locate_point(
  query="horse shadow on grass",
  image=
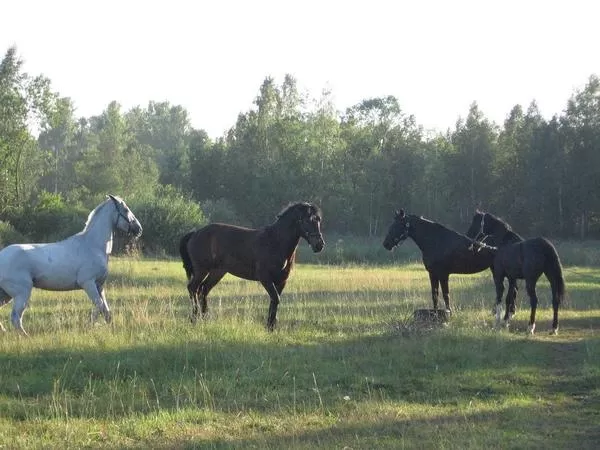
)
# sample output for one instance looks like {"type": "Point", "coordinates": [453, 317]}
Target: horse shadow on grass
{"type": "Point", "coordinates": [208, 369]}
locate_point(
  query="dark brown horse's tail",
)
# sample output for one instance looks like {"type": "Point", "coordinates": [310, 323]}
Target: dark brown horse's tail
{"type": "Point", "coordinates": [185, 256]}
{"type": "Point", "coordinates": [554, 272]}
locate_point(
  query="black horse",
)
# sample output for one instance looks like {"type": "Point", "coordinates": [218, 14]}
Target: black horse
{"type": "Point", "coordinates": [266, 254]}
{"type": "Point", "coordinates": [444, 251]}
{"type": "Point", "coordinates": [519, 258]}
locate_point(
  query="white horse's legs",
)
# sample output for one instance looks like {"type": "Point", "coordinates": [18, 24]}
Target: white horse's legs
{"type": "Point", "coordinates": [19, 305]}
{"type": "Point", "coordinates": [4, 299]}
{"type": "Point", "coordinates": [96, 295]}
{"type": "Point", "coordinates": [106, 309]}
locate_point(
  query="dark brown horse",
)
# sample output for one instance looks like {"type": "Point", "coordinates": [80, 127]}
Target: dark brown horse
{"type": "Point", "coordinates": [444, 250]}
{"type": "Point", "coordinates": [519, 258]}
{"type": "Point", "coordinates": [266, 254]}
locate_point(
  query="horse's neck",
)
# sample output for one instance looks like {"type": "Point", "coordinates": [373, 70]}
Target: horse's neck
{"type": "Point", "coordinates": [511, 237]}
{"type": "Point", "coordinates": [99, 232]}
{"type": "Point", "coordinates": [422, 231]}
{"type": "Point", "coordinates": [286, 240]}
{"type": "Point", "coordinates": [507, 236]}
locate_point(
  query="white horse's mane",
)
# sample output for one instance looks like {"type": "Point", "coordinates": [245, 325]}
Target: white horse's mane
{"type": "Point", "coordinates": [95, 211]}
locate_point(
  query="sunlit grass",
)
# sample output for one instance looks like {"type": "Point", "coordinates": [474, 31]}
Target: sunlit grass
{"type": "Point", "coordinates": [346, 366]}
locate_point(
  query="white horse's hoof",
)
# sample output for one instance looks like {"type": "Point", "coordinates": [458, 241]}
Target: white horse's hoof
{"type": "Point", "coordinates": [554, 331]}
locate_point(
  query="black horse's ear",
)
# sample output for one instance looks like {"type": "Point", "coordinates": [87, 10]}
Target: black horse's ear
{"type": "Point", "coordinates": [400, 214]}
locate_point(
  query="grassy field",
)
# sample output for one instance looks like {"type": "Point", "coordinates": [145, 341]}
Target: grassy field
{"type": "Point", "coordinates": [345, 368]}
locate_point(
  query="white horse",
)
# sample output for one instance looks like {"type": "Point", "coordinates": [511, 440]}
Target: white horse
{"type": "Point", "coordinates": [78, 262]}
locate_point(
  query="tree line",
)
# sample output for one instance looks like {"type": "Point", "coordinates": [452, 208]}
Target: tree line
{"type": "Point", "coordinates": [359, 165]}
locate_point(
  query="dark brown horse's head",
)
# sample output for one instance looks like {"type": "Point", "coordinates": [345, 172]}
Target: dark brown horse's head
{"type": "Point", "coordinates": [308, 218]}
{"type": "Point", "coordinates": [310, 227]}
{"type": "Point", "coordinates": [398, 231]}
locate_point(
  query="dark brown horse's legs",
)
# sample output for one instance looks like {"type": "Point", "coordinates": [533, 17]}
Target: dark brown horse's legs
{"type": "Point", "coordinates": [210, 282]}
{"type": "Point", "coordinates": [194, 289]}
{"type": "Point", "coordinates": [273, 294]}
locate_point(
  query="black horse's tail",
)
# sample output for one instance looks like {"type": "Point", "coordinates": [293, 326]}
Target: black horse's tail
{"type": "Point", "coordinates": [554, 272]}
{"type": "Point", "coordinates": [185, 256]}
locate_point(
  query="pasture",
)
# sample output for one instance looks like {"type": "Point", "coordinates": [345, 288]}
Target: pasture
{"type": "Point", "coordinates": [345, 368]}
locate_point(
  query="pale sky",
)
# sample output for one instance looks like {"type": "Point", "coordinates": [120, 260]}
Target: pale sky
{"type": "Point", "coordinates": [211, 57]}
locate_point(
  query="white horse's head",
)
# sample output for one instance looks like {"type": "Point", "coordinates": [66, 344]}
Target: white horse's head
{"type": "Point", "coordinates": [125, 220]}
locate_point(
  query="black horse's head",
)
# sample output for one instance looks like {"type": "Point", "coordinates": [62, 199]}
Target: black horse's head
{"type": "Point", "coordinates": [477, 230]}
{"type": "Point", "coordinates": [398, 231]}
{"type": "Point", "coordinates": [485, 225]}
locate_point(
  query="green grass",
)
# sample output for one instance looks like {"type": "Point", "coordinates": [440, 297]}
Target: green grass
{"type": "Point", "coordinates": [346, 366]}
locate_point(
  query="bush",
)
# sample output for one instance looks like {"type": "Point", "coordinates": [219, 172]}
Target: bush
{"type": "Point", "coordinates": [221, 210]}
{"type": "Point", "coordinates": [49, 219]}
{"type": "Point", "coordinates": [165, 218]}
{"type": "Point", "coordinates": [8, 235]}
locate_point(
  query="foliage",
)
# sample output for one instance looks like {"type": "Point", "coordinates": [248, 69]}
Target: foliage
{"type": "Point", "coordinates": [49, 218]}
{"type": "Point", "coordinates": [165, 217]}
{"type": "Point", "coordinates": [220, 210]}
{"type": "Point", "coordinates": [9, 235]}
{"type": "Point", "coordinates": [359, 165]}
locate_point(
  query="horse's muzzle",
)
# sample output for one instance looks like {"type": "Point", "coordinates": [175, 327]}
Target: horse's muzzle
{"type": "Point", "coordinates": [317, 244]}
{"type": "Point", "coordinates": [390, 244]}
{"type": "Point", "coordinates": [135, 230]}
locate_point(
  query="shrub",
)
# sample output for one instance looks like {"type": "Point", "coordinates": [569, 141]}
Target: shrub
{"type": "Point", "coordinates": [166, 217]}
{"type": "Point", "coordinates": [49, 219]}
{"type": "Point", "coordinates": [221, 210]}
{"type": "Point", "coordinates": [8, 235]}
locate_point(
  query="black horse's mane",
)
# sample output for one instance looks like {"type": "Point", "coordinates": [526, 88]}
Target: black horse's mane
{"type": "Point", "coordinates": [431, 222]}
{"type": "Point", "coordinates": [314, 210]}
{"type": "Point", "coordinates": [497, 219]}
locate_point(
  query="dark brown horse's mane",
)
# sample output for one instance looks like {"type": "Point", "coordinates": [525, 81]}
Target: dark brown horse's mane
{"type": "Point", "coordinates": [313, 209]}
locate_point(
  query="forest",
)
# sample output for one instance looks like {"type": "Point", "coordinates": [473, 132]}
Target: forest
{"type": "Point", "coordinates": [359, 165]}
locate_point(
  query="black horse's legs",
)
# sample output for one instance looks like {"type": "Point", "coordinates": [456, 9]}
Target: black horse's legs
{"type": "Point", "coordinates": [513, 300]}
{"type": "Point", "coordinates": [499, 284]}
{"type": "Point", "coordinates": [511, 295]}
{"type": "Point", "coordinates": [434, 289]}
{"type": "Point", "coordinates": [274, 295]}
{"type": "Point", "coordinates": [555, 304]}
{"type": "Point", "coordinates": [210, 282]}
{"type": "Point", "coordinates": [445, 290]}
{"type": "Point", "coordinates": [533, 300]}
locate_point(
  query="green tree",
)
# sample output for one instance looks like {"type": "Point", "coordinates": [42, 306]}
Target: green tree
{"type": "Point", "coordinates": [582, 131]}
{"type": "Point", "coordinates": [470, 163]}
{"type": "Point", "coordinates": [23, 101]}
{"type": "Point", "coordinates": [113, 161]}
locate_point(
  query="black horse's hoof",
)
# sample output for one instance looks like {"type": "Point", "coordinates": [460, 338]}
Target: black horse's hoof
{"type": "Point", "coordinates": [271, 326]}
